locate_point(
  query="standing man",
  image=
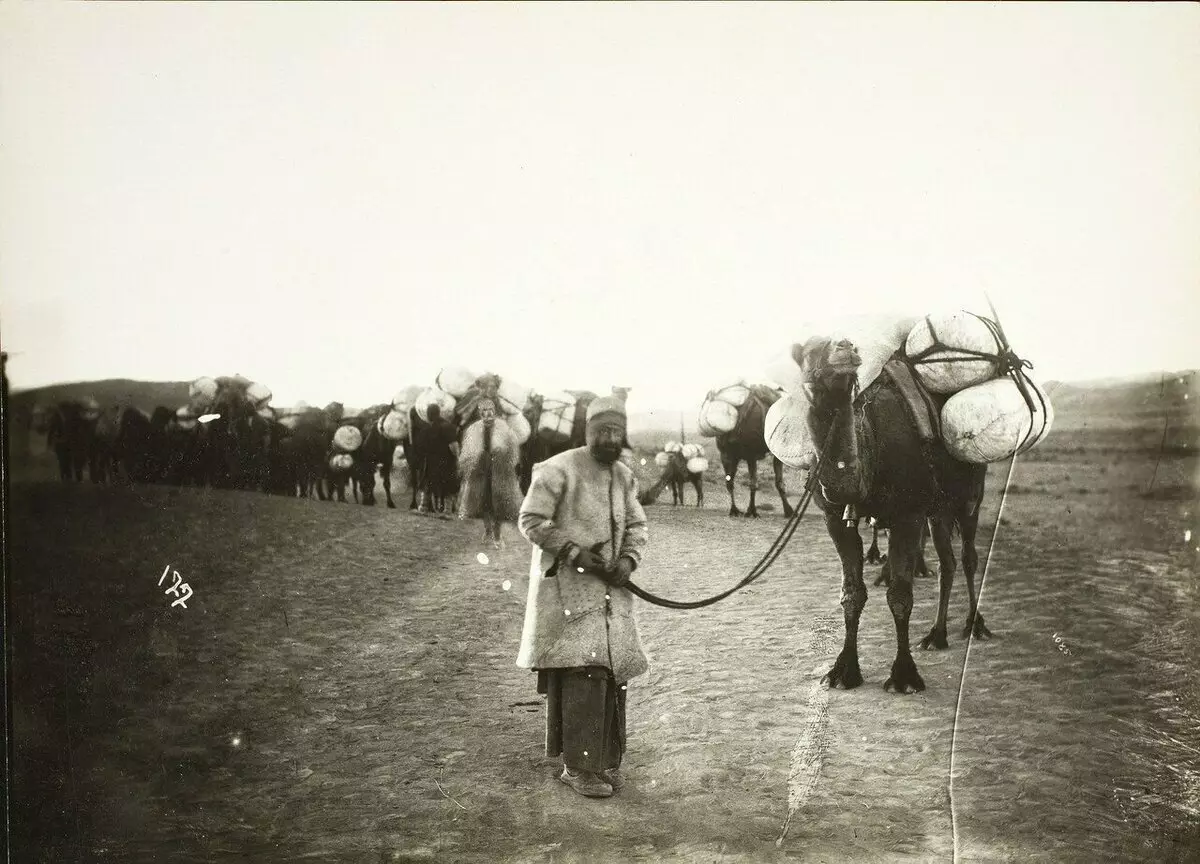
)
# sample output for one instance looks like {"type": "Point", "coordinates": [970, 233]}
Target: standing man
{"type": "Point", "coordinates": [488, 467]}
{"type": "Point", "coordinates": [580, 636]}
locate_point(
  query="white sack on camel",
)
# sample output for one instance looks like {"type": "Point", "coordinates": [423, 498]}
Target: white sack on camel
{"type": "Point", "coordinates": [347, 439]}
{"type": "Point", "coordinates": [954, 367]}
{"type": "Point", "coordinates": [988, 422]}
{"type": "Point", "coordinates": [557, 418]}
{"type": "Point", "coordinates": [719, 411]}
{"type": "Point", "coordinates": [433, 395]}
{"type": "Point", "coordinates": [455, 380]}
{"type": "Point", "coordinates": [786, 431]}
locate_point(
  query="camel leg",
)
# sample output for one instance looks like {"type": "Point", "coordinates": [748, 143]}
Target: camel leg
{"type": "Point", "coordinates": [873, 552]}
{"type": "Point", "coordinates": [731, 465]}
{"type": "Point", "coordinates": [904, 547]}
{"type": "Point", "coordinates": [941, 527]}
{"type": "Point", "coordinates": [780, 487]}
{"type": "Point", "coordinates": [922, 567]}
{"type": "Point", "coordinates": [387, 485]}
{"type": "Point", "coordinates": [845, 669]}
{"type": "Point", "coordinates": [752, 468]}
{"type": "Point", "coordinates": [787, 508]}
{"type": "Point", "coordinates": [698, 482]}
{"type": "Point", "coordinates": [968, 523]}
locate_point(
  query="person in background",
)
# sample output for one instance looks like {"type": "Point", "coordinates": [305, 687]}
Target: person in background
{"type": "Point", "coordinates": [580, 636]}
{"type": "Point", "coordinates": [488, 465]}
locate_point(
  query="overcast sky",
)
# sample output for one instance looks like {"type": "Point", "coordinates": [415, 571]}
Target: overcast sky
{"type": "Point", "coordinates": [339, 200]}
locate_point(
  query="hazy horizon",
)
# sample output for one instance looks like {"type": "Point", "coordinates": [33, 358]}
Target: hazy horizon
{"type": "Point", "coordinates": [339, 200]}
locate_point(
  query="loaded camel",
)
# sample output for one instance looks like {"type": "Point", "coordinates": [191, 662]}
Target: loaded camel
{"type": "Point", "coordinates": [675, 475]}
{"type": "Point", "coordinates": [537, 449]}
{"type": "Point", "coordinates": [747, 442]}
{"type": "Point", "coordinates": [875, 463]}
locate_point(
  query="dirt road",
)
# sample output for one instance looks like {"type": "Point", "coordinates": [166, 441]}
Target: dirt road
{"type": "Point", "coordinates": [341, 687]}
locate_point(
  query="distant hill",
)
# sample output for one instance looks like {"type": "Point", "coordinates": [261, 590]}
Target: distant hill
{"type": "Point", "coordinates": [1175, 395]}
{"type": "Point", "coordinates": [146, 395]}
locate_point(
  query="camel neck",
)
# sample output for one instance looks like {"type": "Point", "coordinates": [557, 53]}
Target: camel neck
{"type": "Point", "coordinates": [831, 419]}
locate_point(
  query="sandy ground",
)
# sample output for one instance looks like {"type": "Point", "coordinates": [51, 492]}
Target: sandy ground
{"type": "Point", "coordinates": [342, 687]}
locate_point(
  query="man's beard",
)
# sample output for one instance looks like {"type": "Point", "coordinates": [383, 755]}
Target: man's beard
{"type": "Point", "coordinates": [606, 453]}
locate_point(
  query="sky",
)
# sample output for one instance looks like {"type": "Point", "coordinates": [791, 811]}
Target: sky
{"type": "Point", "coordinates": [338, 200]}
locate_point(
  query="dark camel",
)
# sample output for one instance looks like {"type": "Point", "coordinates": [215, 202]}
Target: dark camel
{"type": "Point", "coordinates": [747, 442]}
{"type": "Point", "coordinates": [875, 464]}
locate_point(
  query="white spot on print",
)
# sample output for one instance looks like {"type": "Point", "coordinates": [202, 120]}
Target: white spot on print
{"type": "Point", "coordinates": [566, 611]}
{"type": "Point", "coordinates": [481, 558]}
{"type": "Point", "coordinates": [1187, 536]}
{"type": "Point", "coordinates": [506, 584]}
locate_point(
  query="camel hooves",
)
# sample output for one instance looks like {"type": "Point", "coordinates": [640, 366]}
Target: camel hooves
{"type": "Point", "coordinates": [904, 678]}
{"type": "Point", "coordinates": [844, 672]}
{"type": "Point", "coordinates": [751, 514]}
{"type": "Point", "coordinates": [936, 639]}
{"type": "Point", "coordinates": [977, 629]}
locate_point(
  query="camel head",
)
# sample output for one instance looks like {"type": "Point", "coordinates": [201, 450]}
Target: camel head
{"type": "Point", "coordinates": [829, 366]}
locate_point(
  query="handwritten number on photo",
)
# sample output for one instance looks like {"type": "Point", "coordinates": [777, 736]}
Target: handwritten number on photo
{"type": "Point", "coordinates": [176, 588]}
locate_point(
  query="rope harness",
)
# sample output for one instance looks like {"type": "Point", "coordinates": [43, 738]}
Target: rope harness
{"type": "Point", "coordinates": [769, 557]}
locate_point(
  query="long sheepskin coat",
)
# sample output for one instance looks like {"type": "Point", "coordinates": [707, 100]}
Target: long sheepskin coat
{"type": "Point", "coordinates": [474, 467]}
{"type": "Point", "coordinates": [573, 618]}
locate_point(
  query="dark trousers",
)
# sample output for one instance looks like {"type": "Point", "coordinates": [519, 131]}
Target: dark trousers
{"type": "Point", "coordinates": [585, 717]}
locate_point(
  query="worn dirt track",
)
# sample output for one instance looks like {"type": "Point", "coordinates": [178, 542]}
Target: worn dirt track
{"type": "Point", "coordinates": [342, 688]}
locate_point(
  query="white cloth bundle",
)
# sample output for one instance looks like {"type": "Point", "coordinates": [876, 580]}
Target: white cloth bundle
{"type": "Point", "coordinates": [406, 398]}
{"type": "Point", "coordinates": [662, 460]}
{"type": "Point", "coordinates": [957, 365]}
{"type": "Point", "coordinates": [455, 380]}
{"type": "Point", "coordinates": [432, 395]}
{"type": "Point", "coordinates": [341, 462]}
{"type": "Point", "coordinates": [258, 394]}
{"type": "Point", "coordinates": [989, 422]}
{"type": "Point", "coordinates": [394, 425]}
{"type": "Point", "coordinates": [557, 419]}
{"type": "Point", "coordinates": [347, 439]}
{"type": "Point", "coordinates": [697, 465]}
{"type": "Point", "coordinates": [786, 431]}
{"type": "Point", "coordinates": [201, 394]}
{"type": "Point", "coordinates": [514, 398]}
{"type": "Point", "coordinates": [185, 419]}
{"type": "Point", "coordinates": [719, 411]}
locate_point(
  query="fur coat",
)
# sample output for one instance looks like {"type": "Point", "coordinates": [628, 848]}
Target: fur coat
{"type": "Point", "coordinates": [500, 462]}
{"type": "Point", "coordinates": [573, 618]}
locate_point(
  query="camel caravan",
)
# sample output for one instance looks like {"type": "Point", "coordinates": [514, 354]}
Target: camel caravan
{"type": "Point", "coordinates": [228, 435]}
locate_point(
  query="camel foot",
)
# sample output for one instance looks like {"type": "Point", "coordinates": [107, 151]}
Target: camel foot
{"type": "Point", "coordinates": [976, 628]}
{"type": "Point", "coordinates": [733, 511]}
{"type": "Point", "coordinates": [788, 510]}
{"type": "Point", "coordinates": [935, 639]}
{"type": "Point", "coordinates": [752, 513]}
{"type": "Point", "coordinates": [923, 572]}
{"type": "Point", "coordinates": [873, 556]}
{"type": "Point", "coordinates": [391, 505]}
{"type": "Point", "coordinates": [904, 678]}
{"type": "Point", "coordinates": [845, 671]}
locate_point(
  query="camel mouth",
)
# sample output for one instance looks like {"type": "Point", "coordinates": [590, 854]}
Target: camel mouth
{"type": "Point", "coordinates": [843, 359]}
